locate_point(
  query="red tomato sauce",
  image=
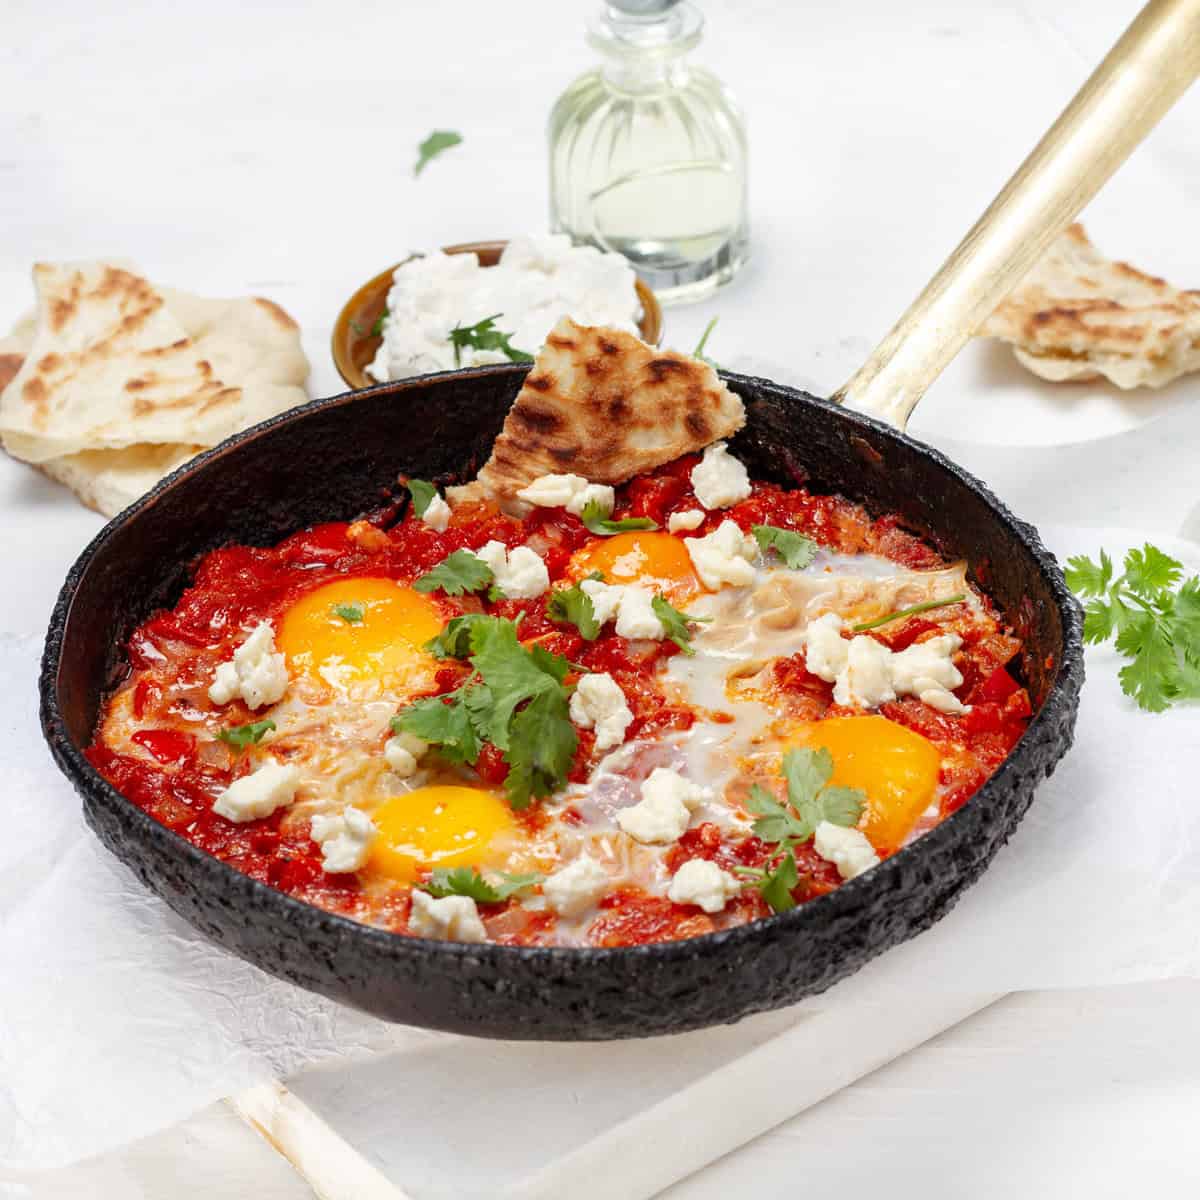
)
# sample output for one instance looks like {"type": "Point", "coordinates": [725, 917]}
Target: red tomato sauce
{"type": "Point", "coordinates": [176, 772]}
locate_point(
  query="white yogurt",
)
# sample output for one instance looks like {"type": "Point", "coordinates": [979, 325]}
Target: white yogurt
{"type": "Point", "coordinates": [538, 280]}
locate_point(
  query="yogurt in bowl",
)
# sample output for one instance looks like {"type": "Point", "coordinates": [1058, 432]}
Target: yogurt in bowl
{"type": "Point", "coordinates": [537, 280]}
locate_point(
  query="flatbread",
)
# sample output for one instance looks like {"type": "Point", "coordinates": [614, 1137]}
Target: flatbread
{"type": "Point", "coordinates": [601, 403]}
{"type": "Point", "coordinates": [109, 481]}
{"type": "Point", "coordinates": [111, 366]}
{"type": "Point", "coordinates": [1078, 315]}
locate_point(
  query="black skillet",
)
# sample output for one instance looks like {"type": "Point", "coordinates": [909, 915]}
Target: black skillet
{"type": "Point", "coordinates": [335, 458]}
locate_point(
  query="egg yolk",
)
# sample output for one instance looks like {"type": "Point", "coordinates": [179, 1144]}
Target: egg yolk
{"type": "Point", "coordinates": [658, 560]}
{"type": "Point", "coordinates": [439, 826]}
{"type": "Point", "coordinates": [357, 629]}
{"type": "Point", "coordinates": [895, 767]}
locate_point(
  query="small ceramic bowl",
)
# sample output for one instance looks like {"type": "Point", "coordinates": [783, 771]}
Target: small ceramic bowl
{"type": "Point", "coordinates": [354, 345]}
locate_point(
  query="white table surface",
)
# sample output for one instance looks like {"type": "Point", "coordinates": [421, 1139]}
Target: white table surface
{"type": "Point", "coordinates": [268, 147]}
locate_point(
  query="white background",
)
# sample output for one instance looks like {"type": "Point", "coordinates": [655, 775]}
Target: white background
{"type": "Point", "coordinates": [232, 147]}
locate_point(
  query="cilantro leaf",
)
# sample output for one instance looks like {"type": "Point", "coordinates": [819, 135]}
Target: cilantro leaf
{"type": "Point", "coordinates": [775, 822]}
{"type": "Point", "coordinates": [794, 548]}
{"type": "Point", "coordinates": [574, 606]}
{"type": "Point", "coordinates": [455, 640]}
{"type": "Point", "coordinates": [446, 722]}
{"type": "Point", "coordinates": [241, 736]}
{"type": "Point", "coordinates": [484, 335]}
{"type": "Point", "coordinates": [595, 518]}
{"type": "Point", "coordinates": [810, 800]}
{"type": "Point", "coordinates": [542, 744]}
{"type": "Point", "coordinates": [423, 494]}
{"type": "Point", "coordinates": [806, 772]}
{"type": "Point", "coordinates": [436, 143]}
{"type": "Point", "coordinates": [352, 614]}
{"type": "Point", "coordinates": [461, 572]}
{"type": "Point", "coordinates": [467, 881]}
{"type": "Point", "coordinates": [911, 611]}
{"type": "Point", "coordinates": [699, 350]}
{"type": "Point", "coordinates": [1156, 628]}
{"type": "Point", "coordinates": [675, 623]}
{"type": "Point", "coordinates": [838, 806]}
{"type": "Point", "coordinates": [776, 886]}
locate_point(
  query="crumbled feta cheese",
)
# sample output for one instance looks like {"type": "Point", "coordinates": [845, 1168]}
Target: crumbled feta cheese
{"type": "Point", "coordinates": [847, 849]}
{"type": "Point", "coordinates": [257, 674]}
{"type": "Point", "coordinates": [519, 573]}
{"type": "Point", "coordinates": [605, 598]}
{"type": "Point", "coordinates": [724, 556]}
{"type": "Point", "coordinates": [636, 617]}
{"type": "Point", "coordinates": [571, 492]}
{"type": "Point", "coordinates": [704, 884]}
{"type": "Point", "coordinates": [450, 919]}
{"type": "Point", "coordinates": [575, 888]}
{"type": "Point", "coordinates": [258, 794]}
{"type": "Point", "coordinates": [691, 518]}
{"type": "Point", "coordinates": [599, 702]}
{"type": "Point", "coordinates": [719, 479]}
{"type": "Point", "coordinates": [663, 813]}
{"type": "Point", "coordinates": [437, 514]}
{"type": "Point", "coordinates": [537, 279]}
{"type": "Point", "coordinates": [826, 650]}
{"type": "Point", "coordinates": [866, 680]}
{"type": "Point", "coordinates": [866, 673]}
{"type": "Point", "coordinates": [345, 839]}
{"type": "Point", "coordinates": [402, 753]}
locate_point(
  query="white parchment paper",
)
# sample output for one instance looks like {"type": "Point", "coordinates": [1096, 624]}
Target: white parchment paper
{"type": "Point", "coordinates": [116, 1019]}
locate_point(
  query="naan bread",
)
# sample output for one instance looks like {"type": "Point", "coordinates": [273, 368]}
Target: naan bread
{"type": "Point", "coordinates": [111, 365]}
{"type": "Point", "coordinates": [1078, 315]}
{"type": "Point", "coordinates": [252, 347]}
{"type": "Point", "coordinates": [601, 403]}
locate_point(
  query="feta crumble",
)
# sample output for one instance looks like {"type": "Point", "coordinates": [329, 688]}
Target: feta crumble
{"type": "Point", "coordinates": [703, 884]}
{"type": "Point", "coordinates": [345, 839]}
{"type": "Point", "coordinates": [257, 674]}
{"type": "Point", "coordinates": [449, 919]}
{"type": "Point", "coordinates": [866, 673]}
{"type": "Point", "coordinates": [724, 556]}
{"type": "Point", "coordinates": [690, 518]}
{"type": "Point", "coordinates": [258, 794]}
{"type": "Point", "coordinates": [663, 813]}
{"type": "Point", "coordinates": [719, 479]}
{"type": "Point", "coordinates": [520, 573]}
{"type": "Point", "coordinates": [437, 514]}
{"type": "Point", "coordinates": [402, 753]}
{"type": "Point", "coordinates": [599, 703]}
{"type": "Point", "coordinates": [575, 888]}
{"type": "Point", "coordinates": [605, 598]}
{"type": "Point", "coordinates": [571, 492]}
{"type": "Point", "coordinates": [847, 849]}
{"type": "Point", "coordinates": [636, 617]}
{"type": "Point", "coordinates": [537, 280]}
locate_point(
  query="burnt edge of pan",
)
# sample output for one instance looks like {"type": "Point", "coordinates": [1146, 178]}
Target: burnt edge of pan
{"type": "Point", "coordinates": [553, 993]}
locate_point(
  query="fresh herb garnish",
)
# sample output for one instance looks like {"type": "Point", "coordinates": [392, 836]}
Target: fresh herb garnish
{"type": "Point", "coordinates": [675, 623]}
{"type": "Point", "coordinates": [810, 801]}
{"type": "Point", "coordinates": [422, 493]}
{"type": "Point", "coordinates": [574, 606]}
{"type": "Point", "coordinates": [1154, 623]}
{"type": "Point", "coordinates": [467, 881]}
{"type": "Point", "coordinates": [516, 700]}
{"type": "Point", "coordinates": [460, 572]}
{"type": "Point", "coordinates": [436, 143]}
{"type": "Point", "coordinates": [596, 518]}
{"type": "Point", "coordinates": [242, 736]}
{"type": "Point", "coordinates": [699, 350]}
{"type": "Point", "coordinates": [352, 614]}
{"type": "Point", "coordinates": [911, 611]}
{"type": "Point", "coordinates": [377, 327]}
{"type": "Point", "coordinates": [794, 548]}
{"type": "Point", "coordinates": [455, 640]}
{"type": "Point", "coordinates": [484, 335]}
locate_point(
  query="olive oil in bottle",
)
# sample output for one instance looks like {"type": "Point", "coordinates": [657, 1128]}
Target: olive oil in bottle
{"type": "Point", "coordinates": [648, 153]}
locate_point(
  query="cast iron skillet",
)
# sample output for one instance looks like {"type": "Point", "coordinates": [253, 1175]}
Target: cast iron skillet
{"type": "Point", "coordinates": [333, 459]}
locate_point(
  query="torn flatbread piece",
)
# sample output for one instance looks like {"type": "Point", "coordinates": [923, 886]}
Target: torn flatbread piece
{"type": "Point", "coordinates": [1078, 315]}
{"type": "Point", "coordinates": [112, 366]}
{"type": "Point", "coordinates": [109, 481]}
{"type": "Point", "coordinates": [601, 403]}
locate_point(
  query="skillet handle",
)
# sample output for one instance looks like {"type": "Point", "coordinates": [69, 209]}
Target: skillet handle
{"type": "Point", "coordinates": [1152, 65]}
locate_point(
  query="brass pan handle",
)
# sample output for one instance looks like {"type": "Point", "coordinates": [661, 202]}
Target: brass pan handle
{"type": "Point", "coordinates": [1152, 65]}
